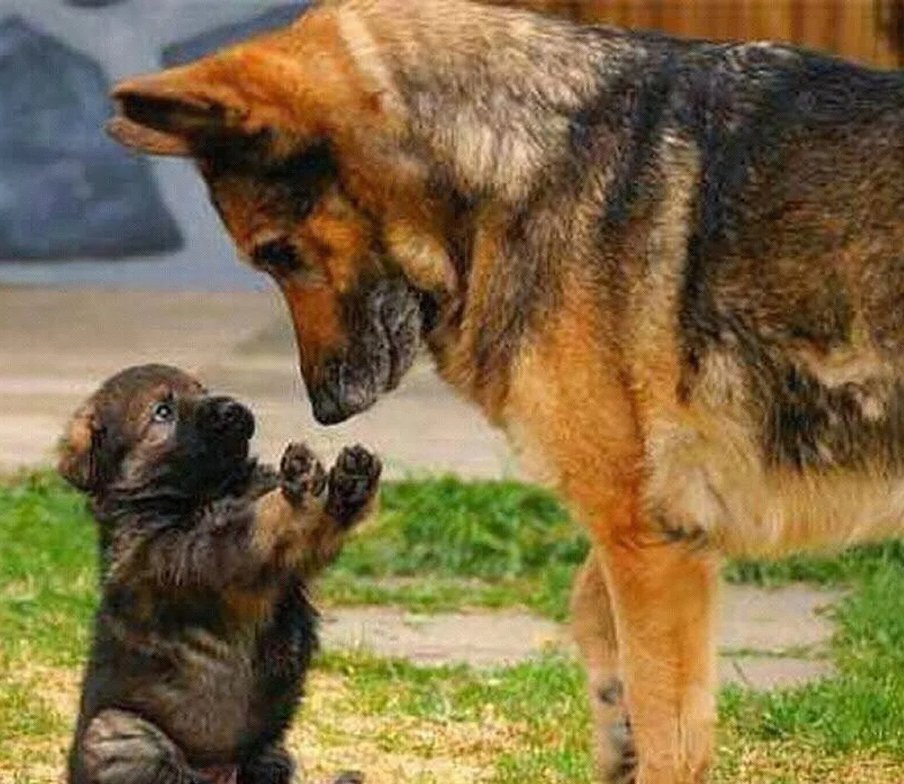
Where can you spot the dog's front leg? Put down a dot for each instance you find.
(287, 518)
(304, 523)
(119, 747)
(663, 596)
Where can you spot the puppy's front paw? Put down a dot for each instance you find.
(301, 474)
(353, 483)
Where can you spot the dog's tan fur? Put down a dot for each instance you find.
(670, 271)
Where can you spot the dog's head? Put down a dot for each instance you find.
(153, 432)
(300, 151)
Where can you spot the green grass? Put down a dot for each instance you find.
(488, 544)
(442, 543)
(837, 569)
(862, 708)
(47, 571)
(542, 701)
(485, 544)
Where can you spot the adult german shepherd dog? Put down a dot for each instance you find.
(673, 272)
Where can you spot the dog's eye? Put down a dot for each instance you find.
(164, 412)
(276, 256)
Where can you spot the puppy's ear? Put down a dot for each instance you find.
(78, 449)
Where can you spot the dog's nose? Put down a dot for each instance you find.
(223, 417)
(326, 407)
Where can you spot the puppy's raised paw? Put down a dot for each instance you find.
(301, 475)
(353, 483)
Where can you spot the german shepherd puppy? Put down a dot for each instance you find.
(672, 271)
(204, 631)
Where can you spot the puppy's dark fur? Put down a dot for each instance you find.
(205, 630)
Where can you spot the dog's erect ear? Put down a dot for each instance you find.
(77, 449)
(301, 82)
(172, 112)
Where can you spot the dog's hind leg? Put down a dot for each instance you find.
(663, 595)
(119, 747)
(593, 625)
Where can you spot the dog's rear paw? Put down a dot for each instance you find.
(353, 483)
(301, 474)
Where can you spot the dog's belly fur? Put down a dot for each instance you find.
(728, 466)
(210, 673)
(718, 486)
(219, 691)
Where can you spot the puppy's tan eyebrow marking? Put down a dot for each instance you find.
(162, 392)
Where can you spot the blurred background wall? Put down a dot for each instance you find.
(869, 31)
(75, 209)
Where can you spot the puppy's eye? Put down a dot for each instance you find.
(277, 256)
(163, 412)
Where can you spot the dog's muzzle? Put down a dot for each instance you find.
(384, 328)
(225, 420)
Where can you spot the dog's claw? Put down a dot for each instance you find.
(301, 474)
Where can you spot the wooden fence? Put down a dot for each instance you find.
(870, 31)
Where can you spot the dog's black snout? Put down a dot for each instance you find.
(223, 417)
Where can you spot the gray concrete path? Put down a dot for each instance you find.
(767, 639)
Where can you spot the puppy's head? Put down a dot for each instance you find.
(153, 432)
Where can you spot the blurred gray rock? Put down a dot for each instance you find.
(66, 190)
(183, 52)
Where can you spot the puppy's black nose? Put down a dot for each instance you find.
(223, 417)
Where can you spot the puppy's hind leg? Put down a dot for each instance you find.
(119, 747)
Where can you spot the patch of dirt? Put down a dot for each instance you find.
(330, 736)
(768, 763)
(777, 620)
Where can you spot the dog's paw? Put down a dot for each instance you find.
(301, 474)
(353, 483)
